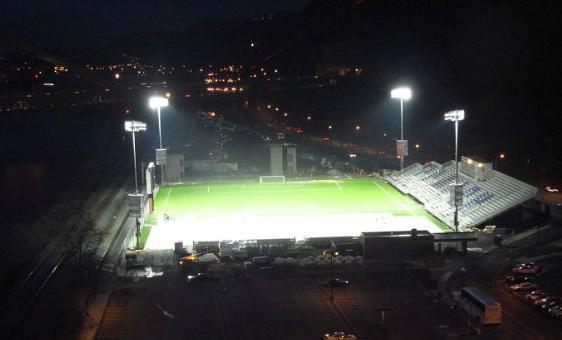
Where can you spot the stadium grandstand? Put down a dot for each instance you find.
(487, 192)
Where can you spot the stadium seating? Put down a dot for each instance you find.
(430, 184)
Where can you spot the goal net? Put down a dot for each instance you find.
(272, 179)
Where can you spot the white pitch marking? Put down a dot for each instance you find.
(400, 203)
(208, 189)
(168, 197)
(339, 186)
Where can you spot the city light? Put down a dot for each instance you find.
(357, 127)
(308, 118)
(502, 155)
(330, 127)
(417, 146)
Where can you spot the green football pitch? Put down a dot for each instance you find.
(247, 210)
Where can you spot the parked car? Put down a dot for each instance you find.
(524, 286)
(549, 303)
(515, 279)
(339, 336)
(557, 314)
(527, 268)
(553, 310)
(336, 282)
(535, 295)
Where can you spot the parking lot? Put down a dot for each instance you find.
(278, 304)
(543, 277)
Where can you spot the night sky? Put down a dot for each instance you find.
(55, 22)
(499, 60)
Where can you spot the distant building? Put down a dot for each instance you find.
(283, 160)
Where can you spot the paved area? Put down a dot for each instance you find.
(277, 305)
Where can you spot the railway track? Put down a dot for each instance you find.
(13, 312)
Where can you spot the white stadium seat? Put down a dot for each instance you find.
(483, 200)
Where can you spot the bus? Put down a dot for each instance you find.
(479, 305)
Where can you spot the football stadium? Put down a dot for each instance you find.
(300, 209)
(276, 207)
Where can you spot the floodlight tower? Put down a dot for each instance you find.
(157, 103)
(133, 126)
(404, 94)
(456, 116)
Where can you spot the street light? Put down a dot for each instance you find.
(133, 126)
(456, 116)
(404, 94)
(331, 282)
(157, 103)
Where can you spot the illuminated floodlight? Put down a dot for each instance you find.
(134, 126)
(157, 102)
(402, 93)
(455, 115)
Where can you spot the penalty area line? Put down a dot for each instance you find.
(400, 203)
(339, 186)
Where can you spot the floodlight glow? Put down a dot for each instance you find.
(156, 102)
(250, 226)
(134, 126)
(455, 116)
(402, 93)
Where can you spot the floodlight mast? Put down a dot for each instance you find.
(456, 116)
(157, 103)
(404, 94)
(133, 126)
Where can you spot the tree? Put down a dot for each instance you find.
(85, 239)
